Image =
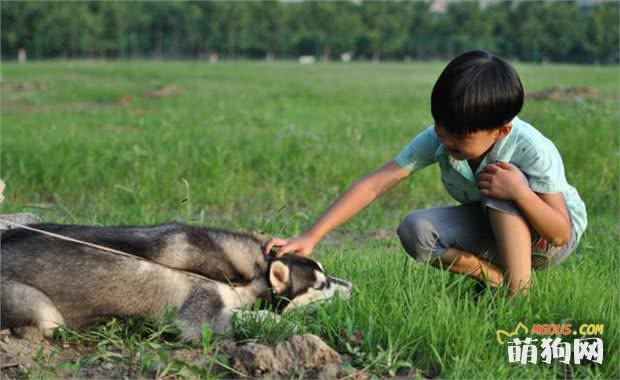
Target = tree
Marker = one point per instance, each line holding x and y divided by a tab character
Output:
386	25
565	31
421	36
266	30
600	34
530	38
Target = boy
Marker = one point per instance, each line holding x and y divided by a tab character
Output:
517	211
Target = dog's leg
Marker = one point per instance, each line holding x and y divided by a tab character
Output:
203	306
24	306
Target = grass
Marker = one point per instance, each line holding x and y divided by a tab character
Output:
268	147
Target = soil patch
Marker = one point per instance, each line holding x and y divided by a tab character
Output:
301	354
23	86
19	356
164	91
566	94
123	100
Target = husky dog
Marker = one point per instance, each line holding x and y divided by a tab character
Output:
207	274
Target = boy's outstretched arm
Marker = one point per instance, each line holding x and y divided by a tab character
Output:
546	213
358	196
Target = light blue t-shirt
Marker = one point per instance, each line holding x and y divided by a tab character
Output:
525	147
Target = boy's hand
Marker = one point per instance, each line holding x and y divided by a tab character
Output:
501	180
300	245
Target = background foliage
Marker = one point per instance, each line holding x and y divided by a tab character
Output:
563	31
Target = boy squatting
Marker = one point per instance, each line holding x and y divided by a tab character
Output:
517	210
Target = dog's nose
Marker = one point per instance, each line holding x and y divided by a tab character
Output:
344	287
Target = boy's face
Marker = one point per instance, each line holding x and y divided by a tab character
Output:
473	145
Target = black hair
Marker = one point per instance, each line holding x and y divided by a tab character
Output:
476	91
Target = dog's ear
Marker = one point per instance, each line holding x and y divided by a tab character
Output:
278	276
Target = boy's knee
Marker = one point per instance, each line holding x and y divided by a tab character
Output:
501	205
419	237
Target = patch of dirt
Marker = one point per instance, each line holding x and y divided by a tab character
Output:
25	355
307	351
565	93
123	100
11	105
164	91
17	95
23	86
105	370
16	353
307	354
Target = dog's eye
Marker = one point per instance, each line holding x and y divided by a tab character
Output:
320	280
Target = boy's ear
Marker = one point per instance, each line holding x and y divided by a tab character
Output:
278	276
504	130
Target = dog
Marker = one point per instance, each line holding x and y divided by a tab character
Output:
207	274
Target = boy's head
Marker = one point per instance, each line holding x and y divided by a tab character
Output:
476	91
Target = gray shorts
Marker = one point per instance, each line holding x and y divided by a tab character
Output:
427	234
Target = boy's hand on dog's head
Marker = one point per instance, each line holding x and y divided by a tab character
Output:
271	247
300	245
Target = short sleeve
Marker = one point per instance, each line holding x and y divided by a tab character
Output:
420	152
544	169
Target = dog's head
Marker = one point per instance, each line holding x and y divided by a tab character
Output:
297	281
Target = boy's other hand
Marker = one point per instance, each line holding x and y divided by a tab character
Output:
501	180
300	245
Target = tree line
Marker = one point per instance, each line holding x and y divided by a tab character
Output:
558	31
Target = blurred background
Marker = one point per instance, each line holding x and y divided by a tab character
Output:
584	31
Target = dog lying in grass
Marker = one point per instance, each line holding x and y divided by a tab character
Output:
206	274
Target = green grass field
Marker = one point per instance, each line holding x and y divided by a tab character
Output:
268	146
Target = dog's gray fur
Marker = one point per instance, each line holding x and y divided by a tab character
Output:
47	282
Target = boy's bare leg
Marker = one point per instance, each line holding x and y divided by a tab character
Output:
462	262
513	238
